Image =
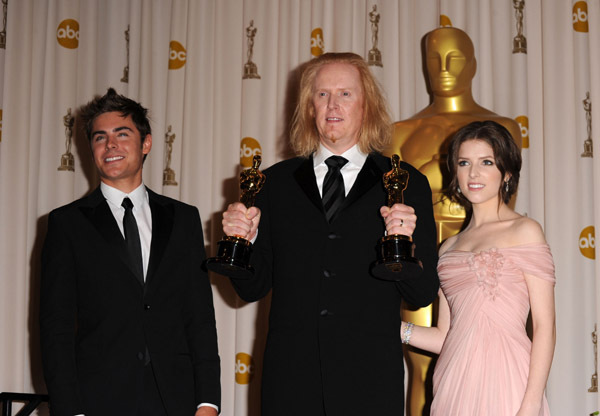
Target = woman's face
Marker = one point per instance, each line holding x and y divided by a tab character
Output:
478	176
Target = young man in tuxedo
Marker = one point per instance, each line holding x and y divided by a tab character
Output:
127	319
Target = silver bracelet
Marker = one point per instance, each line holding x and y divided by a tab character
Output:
405	337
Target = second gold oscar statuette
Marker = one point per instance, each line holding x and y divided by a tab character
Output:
233	254
396	260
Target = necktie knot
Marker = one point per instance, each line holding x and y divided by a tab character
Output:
336	162
127	204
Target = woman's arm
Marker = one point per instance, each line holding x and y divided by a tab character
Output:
541	298
428	338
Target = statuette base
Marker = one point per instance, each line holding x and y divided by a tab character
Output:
169	177
520	44
250	71
396	261
233	258
67	162
375	57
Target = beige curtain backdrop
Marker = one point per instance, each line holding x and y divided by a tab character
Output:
185	60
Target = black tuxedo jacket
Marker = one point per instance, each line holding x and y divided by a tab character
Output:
334	329
97	320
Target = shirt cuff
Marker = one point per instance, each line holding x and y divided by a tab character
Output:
209	405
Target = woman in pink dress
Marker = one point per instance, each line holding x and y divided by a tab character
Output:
492	274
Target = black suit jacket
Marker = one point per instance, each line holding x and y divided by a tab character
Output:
97	320
334	329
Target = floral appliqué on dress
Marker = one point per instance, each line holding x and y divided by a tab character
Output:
487	265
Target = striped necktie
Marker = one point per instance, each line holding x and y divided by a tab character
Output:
333	186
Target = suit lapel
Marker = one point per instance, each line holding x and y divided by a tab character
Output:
305	176
162	225
97	211
371	172
369	175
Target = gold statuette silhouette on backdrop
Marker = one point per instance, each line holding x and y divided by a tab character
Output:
125	77
588	145
519	41
374	53
67	160
594	387
168	173
250	68
422	141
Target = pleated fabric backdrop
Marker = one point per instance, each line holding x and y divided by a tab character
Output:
190	62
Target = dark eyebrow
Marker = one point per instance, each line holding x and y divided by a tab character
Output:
116	130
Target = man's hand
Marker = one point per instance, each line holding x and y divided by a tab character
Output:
399	219
240	221
206	411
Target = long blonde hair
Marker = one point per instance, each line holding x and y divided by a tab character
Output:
375	132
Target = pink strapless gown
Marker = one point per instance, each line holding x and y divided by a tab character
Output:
483	366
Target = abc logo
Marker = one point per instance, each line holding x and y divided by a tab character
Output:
580	16
445	21
524	125
67	34
317	45
244	368
249	147
587	242
177	55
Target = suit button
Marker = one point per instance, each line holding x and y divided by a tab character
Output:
326	273
332	236
146	307
324	312
140	356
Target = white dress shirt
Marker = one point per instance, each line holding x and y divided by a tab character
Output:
141	212
356	160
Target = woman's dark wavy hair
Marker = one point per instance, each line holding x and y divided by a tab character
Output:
507	157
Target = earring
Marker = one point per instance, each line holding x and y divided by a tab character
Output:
458	189
506	186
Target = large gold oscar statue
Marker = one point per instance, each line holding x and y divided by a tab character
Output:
422	141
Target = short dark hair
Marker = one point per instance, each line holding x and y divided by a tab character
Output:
507	157
109	102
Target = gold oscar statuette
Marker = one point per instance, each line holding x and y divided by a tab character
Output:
250	68
126	68
374	53
233	253
67	160
588	145
396	260
168	173
519	41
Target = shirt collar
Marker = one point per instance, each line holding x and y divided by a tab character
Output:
139	196
354	155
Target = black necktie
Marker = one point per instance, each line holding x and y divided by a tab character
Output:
132	238
333	186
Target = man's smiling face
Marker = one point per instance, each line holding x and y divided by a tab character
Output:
118	150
